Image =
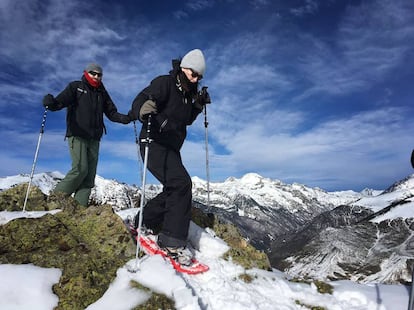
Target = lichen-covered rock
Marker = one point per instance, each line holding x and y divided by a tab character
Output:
88	244
13	199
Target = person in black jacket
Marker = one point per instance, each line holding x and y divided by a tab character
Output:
174	102
86	102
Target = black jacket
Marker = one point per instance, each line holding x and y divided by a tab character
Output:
85	108
176	109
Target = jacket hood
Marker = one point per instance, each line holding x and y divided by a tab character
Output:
175	67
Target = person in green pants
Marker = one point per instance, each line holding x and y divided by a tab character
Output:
86	101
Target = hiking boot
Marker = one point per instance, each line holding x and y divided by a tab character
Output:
147	229
130	226
180	254
129	223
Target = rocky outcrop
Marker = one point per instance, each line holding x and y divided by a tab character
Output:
13	199
87	244
345	244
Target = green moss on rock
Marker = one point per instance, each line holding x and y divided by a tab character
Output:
13	199
87	244
155	301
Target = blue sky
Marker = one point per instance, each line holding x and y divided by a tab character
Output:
314	92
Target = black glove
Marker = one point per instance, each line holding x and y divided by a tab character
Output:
132	116
148	107
125	119
203	98
48	101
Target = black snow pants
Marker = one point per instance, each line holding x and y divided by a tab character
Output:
171	209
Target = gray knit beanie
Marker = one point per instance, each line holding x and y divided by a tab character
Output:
93	67
194	60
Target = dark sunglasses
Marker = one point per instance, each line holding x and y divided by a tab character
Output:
195	74
93	73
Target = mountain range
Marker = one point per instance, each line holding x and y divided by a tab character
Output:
307	232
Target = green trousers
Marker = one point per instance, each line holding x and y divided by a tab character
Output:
81	178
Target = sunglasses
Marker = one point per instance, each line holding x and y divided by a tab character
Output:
93	73
195	74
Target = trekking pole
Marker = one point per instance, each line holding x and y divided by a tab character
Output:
147	142
207	162
42	129
138	151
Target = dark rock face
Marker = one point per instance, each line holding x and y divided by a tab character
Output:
321	242
345	244
342	216
88	245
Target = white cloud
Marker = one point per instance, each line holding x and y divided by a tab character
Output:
372	41
278	90
363	143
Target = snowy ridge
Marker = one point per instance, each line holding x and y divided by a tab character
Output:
264	191
111	192
400	194
118	195
268	193
45	181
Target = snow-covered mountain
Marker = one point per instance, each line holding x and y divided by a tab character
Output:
366	236
369	240
119	195
266	209
267	192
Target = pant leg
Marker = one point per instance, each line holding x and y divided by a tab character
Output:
78	153
84	190
174	206
155	208
154	212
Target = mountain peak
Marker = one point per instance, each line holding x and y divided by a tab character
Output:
251	177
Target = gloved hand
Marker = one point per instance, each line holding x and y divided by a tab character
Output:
125	119
132	116
412	159
48	101
149	107
203	98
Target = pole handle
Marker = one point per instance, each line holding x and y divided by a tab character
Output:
42	126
